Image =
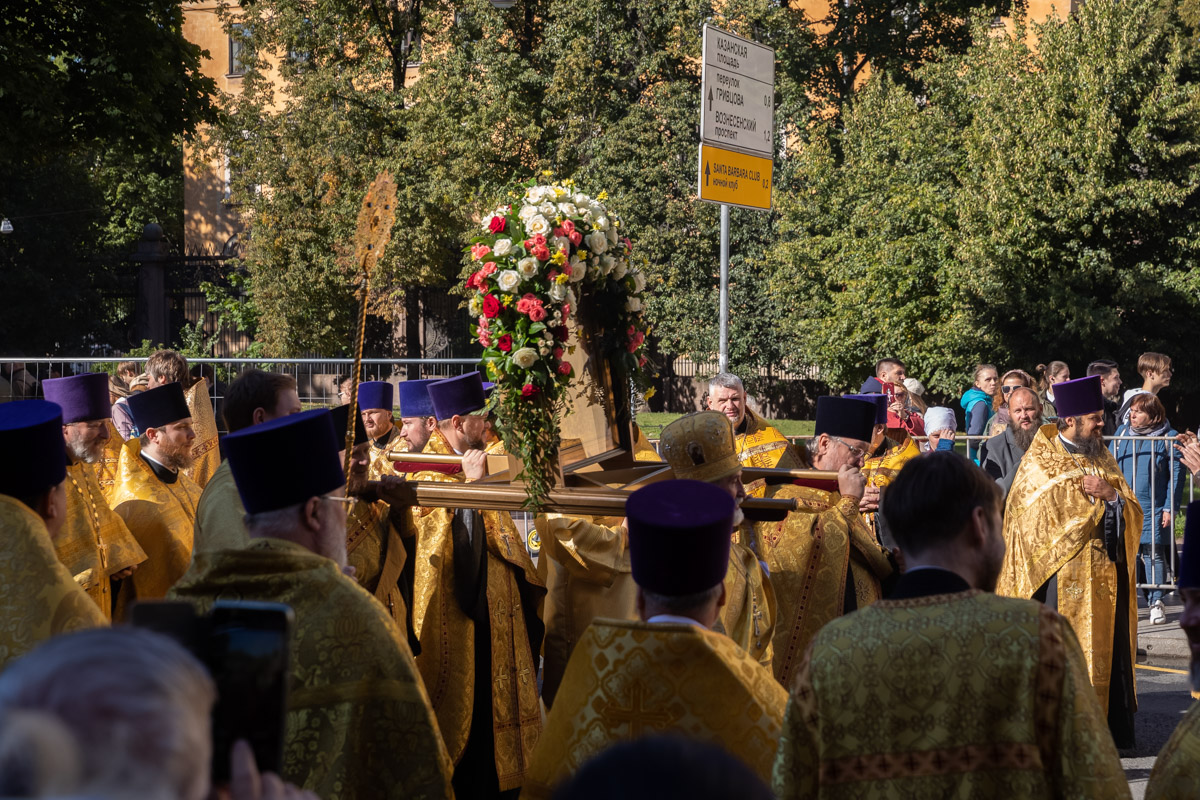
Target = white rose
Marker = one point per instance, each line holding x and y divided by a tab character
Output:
621	269
560	243
581	199
612	235
578	271
568	209
527	213
535	194
525	358
547	209
508	280
475	307
633	304
528	267
602	222
536	225
502	247
639	282
558	292
607	263
596	242
571	296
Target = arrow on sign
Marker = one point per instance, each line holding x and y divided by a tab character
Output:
706	173
710	99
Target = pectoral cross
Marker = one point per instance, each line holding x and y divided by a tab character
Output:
637	717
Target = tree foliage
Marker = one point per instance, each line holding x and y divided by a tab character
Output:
1027	205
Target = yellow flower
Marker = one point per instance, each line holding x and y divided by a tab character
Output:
650	393
507	299
561	278
583	254
602	196
558	258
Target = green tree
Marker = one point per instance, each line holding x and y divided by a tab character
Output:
1029	204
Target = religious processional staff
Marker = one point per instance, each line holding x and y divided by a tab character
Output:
945	689
375	403
822	558
253	398
669	672
701	447
758	444
1067	524
1177	771
359	722
475	601
153	494
94	543
38	596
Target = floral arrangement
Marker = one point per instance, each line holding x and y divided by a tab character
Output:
551	256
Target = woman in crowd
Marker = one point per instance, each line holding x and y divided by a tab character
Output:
1048	375
1158	481
976	402
998	421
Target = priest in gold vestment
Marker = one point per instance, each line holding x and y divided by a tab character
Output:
1071	524
475	601
154	496
669	672
359	724
758	444
38	596
94	544
945	689
375	404
206	453
823	559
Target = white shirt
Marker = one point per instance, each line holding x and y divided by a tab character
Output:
671	619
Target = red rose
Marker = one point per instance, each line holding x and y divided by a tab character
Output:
568	226
541	252
552	274
558	353
560	333
559	231
528	390
505	342
564	368
491	306
528	243
642	361
487	269
576	237
539	240
497	224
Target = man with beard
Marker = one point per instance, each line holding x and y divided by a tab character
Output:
416	414
359	723
945	689
1110	387
153	495
1000	455
1177	771
375	406
1067	524
94	543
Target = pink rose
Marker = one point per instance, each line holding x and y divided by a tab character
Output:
541	252
488	268
537	313
576	237
485	339
479	251
568	226
559	231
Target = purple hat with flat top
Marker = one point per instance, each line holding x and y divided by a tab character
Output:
1078	397
414	398
880	401
305	442
679	536
375	394
83	398
159	406
461	395
847	416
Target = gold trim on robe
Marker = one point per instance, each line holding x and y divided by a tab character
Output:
204	422
109	463
1051	528
1176	773
359	723
762	446
809	554
38	596
374	549
749	614
381	457
94	542
161	517
883	470
627	679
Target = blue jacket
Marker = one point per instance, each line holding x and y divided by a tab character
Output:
1152	458
976	416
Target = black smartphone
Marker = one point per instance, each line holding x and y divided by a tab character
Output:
172	618
247	654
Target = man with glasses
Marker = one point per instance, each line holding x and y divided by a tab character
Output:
822	558
94	544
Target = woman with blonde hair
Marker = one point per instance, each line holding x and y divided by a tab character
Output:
998	422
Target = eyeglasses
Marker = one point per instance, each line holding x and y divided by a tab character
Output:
1007	389
857	452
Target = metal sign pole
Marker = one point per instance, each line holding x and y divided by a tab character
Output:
723	357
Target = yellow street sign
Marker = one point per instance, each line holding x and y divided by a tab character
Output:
735	178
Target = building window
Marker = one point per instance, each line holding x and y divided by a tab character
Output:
238	50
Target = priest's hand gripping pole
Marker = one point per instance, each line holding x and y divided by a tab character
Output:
374	231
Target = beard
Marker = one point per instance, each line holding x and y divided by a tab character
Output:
1090	448
87	452
473	443
1023	436
175	456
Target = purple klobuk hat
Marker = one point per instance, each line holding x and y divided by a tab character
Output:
1189	562
375	394
1078	397
341	415
847	416
159	406
679	535
880	401
414	398
82	397
461	395
306	442
31	436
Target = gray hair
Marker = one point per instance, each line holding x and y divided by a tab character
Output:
682	605
137	703
725	380
280	523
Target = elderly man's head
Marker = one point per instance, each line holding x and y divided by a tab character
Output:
136	703
727	394
1025	408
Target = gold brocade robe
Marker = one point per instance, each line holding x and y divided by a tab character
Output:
220	515
161	517
1176	774
810	554
38	597
760	445
882	470
359	724
1051	528
961	695
446	633
109	463
374	549
632	679
204	423
94	542
749	614
381	456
